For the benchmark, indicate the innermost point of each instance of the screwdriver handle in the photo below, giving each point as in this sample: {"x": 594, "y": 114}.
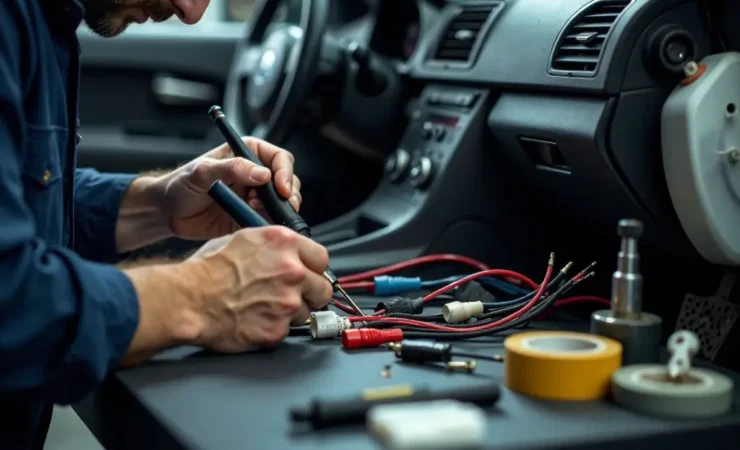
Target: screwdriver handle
{"x": 246, "y": 217}
{"x": 235, "y": 207}
{"x": 278, "y": 207}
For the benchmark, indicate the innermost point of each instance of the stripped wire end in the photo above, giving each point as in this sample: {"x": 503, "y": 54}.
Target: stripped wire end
{"x": 551, "y": 262}
{"x": 566, "y": 268}
{"x": 583, "y": 278}
{"x": 583, "y": 272}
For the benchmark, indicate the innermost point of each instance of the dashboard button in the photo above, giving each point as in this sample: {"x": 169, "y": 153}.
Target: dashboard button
{"x": 421, "y": 172}
{"x": 397, "y": 164}
{"x": 439, "y": 133}
{"x": 427, "y": 130}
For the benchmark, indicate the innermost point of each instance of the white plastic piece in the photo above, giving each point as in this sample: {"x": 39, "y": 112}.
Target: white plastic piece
{"x": 441, "y": 424}
{"x": 700, "y": 131}
{"x": 461, "y": 311}
{"x": 327, "y": 324}
{"x": 682, "y": 345}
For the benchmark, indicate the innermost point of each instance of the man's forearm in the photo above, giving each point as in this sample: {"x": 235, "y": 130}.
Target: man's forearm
{"x": 140, "y": 220}
{"x": 167, "y": 309}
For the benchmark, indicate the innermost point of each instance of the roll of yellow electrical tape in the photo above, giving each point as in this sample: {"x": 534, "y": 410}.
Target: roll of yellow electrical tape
{"x": 557, "y": 365}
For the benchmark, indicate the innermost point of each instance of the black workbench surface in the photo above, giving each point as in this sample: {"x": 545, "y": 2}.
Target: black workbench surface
{"x": 191, "y": 400}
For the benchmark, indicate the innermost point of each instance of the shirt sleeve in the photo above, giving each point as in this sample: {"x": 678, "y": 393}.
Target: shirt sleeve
{"x": 98, "y": 200}
{"x": 64, "y": 321}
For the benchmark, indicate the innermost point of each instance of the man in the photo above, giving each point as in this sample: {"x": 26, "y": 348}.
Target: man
{"x": 65, "y": 319}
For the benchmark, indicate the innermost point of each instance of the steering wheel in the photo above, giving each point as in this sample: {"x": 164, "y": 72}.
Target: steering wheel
{"x": 272, "y": 73}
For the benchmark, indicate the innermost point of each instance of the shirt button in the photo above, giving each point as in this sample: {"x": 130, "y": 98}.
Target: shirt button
{"x": 47, "y": 176}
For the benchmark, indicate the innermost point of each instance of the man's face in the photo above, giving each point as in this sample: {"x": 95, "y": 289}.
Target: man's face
{"x": 111, "y": 17}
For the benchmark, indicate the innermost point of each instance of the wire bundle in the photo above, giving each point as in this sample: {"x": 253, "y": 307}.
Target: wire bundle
{"x": 497, "y": 317}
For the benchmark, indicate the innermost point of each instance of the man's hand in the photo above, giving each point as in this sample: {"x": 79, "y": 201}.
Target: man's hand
{"x": 192, "y": 213}
{"x": 242, "y": 294}
{"x": 177, "y": 203}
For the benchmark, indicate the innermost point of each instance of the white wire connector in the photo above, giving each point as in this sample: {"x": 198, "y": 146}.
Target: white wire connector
{"x": 327, "y": 324}
{"x": 461, "y": 311}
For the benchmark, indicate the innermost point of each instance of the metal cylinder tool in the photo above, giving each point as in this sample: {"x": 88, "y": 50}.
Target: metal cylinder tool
{"x": 638, "y": 332}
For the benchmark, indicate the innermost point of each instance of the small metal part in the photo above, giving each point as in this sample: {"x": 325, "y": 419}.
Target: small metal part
{"x": 395, "y": 347}
{"x": 465, "y": 366}
{"x": 349, "y": 300}
{"x": 567, "y": 267}
{"x": 329, "y": 275}
{"x": 497, "y": 358}
{"x": 690, "y": 69}
{"x": 386, "y": 372}
{"x": 682, "y": 345}
{"x": 639, "y": 332}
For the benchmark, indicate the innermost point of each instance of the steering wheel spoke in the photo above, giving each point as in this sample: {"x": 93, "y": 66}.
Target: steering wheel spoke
{"x": 246, "y": 61}
{"x": 273, "y": 71}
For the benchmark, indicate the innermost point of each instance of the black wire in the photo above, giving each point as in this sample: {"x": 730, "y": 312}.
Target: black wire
{"x": 421, "y": 317}
{"x": 484, "y": 319}
{"x": 526, "y": 317}
{"x": 506, "y": 309}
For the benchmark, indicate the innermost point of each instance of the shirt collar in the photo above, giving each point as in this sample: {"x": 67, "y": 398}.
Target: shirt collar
{"x": 64, "y": 15}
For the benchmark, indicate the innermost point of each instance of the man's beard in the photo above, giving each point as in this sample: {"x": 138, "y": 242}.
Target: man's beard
{"x": 109, "y": 18}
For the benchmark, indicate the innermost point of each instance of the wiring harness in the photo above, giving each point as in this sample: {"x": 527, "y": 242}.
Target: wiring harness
{"x": 471, "y": 309}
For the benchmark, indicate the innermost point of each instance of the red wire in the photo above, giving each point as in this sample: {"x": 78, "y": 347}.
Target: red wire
{"x": 432, "y": 326}
{"x": 486, "y": 273}
{"x": 475, "y": 276}
{"x": 359, "y": 285}
{"x": 438, "y": 258}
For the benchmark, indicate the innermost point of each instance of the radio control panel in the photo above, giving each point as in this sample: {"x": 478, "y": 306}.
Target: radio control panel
{"x": 429, "y": 141}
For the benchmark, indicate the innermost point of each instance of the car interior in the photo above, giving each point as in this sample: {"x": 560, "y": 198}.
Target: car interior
{"x": 422, "y": 126}
{"x": 502, "y": 130}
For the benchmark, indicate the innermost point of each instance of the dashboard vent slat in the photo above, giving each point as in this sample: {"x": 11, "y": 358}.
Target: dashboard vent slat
{"x": 581, "y": 44}
{"x": 462, "y": 33}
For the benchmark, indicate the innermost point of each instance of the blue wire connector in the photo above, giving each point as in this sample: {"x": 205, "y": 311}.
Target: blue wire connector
{"x": 387, "y": 286}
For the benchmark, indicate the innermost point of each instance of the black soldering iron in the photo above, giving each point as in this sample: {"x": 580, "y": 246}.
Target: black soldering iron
{"x": 277, "y": 207}
{"x": 327, "y": 413}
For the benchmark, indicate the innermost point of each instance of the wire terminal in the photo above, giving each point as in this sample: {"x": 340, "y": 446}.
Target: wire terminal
{"x": 327, "y": 325}
{"x": 461, "y": 311}
{"x": 369, "y": 337}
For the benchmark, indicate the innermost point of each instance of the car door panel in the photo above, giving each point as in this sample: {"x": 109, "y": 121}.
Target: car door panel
{"x": 143, "y": 106}
{"x": 145, "y": 94}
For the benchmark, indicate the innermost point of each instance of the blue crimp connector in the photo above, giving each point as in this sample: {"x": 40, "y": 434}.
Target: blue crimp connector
{"x": 386, "y": 286}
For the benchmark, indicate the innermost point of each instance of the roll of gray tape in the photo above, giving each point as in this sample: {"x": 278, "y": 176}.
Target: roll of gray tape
{"x": 647, "y": 388}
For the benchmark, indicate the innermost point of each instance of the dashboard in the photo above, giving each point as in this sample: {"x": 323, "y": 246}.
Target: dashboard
{"x": 574, "y": 90}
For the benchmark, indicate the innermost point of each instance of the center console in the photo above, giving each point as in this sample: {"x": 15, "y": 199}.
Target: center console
{"x": 438, "y": 192}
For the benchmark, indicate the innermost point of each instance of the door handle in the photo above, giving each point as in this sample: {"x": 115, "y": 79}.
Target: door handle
{"x": 180, "y": 92}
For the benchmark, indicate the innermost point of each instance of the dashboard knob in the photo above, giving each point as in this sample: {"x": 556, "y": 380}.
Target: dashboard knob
{"x": 421, "y": 172}
{"x": 440, "y": 133}
{"x": 397, "y": 164}
{"x": 427, "y": 130}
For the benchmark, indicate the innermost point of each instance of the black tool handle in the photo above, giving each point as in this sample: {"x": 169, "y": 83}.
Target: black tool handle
{"x": 277, "y": 206}
{"x": 327, "y": 413}
{"x": 235, "y": 206}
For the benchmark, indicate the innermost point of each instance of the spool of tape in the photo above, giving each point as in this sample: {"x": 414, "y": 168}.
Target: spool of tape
{"x": 647, "y": 388}
{"x": 556, "y": 365}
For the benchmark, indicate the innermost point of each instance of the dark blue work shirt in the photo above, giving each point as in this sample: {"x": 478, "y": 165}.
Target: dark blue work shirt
{"x": 65, "y": 320}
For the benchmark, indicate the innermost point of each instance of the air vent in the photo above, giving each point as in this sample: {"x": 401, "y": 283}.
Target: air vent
{"x": 463, "y": 32}
{"x": 581, "y": 44}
